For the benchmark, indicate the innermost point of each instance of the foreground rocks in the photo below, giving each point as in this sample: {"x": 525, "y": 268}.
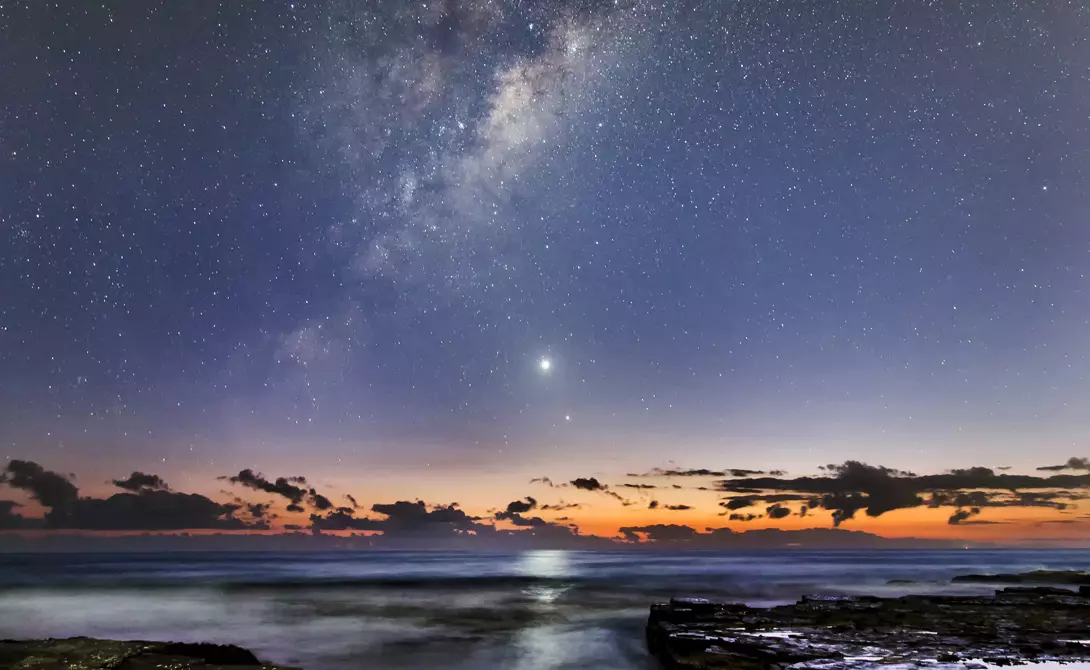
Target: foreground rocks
{"x": 84, "y": 653}
{"x": 1017, "y": 625}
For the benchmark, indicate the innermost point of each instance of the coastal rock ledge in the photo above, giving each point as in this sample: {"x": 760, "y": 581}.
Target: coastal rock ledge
{"x": 87, "y": 653}
{"x": 1016, "y": 625}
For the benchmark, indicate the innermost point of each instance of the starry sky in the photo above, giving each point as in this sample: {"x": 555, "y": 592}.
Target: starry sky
{"x": 434, "y": 250}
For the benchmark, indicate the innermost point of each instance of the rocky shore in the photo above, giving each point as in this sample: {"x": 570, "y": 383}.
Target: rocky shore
{"x": 1015, "y": 625}
{"x": 84, "y": 653}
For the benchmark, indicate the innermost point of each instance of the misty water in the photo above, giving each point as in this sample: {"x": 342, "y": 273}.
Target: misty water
{"x": 544, "y": 610}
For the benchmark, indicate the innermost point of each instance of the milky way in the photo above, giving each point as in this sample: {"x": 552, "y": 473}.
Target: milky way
{"x": 500, "y": 236}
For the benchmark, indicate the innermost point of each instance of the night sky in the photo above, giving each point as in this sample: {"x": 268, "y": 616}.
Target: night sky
{"x": 434, "y": 250}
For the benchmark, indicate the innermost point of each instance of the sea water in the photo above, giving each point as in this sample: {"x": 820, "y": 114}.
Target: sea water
{"x": 541, "y": 610}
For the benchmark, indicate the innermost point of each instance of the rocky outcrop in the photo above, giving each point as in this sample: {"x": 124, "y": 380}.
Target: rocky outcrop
{"x": 1017, "y": 625}
{"x": 86, "y": 653}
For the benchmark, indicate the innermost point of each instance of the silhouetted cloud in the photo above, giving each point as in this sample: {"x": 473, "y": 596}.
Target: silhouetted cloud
{"x": 542, "y": 480}
{"x": 703, "y": 472}
{"x": 744, "y": 517}
{"x": 318, "y": 501}
{"x": 587, "y": 484}
{"x": 961, "y": 515}
{"x": 659, "y": 532}
{"x": 521, "y": 506}
{"x": 352, "y": 501}
{"x": 851, "y": 487}
{"x": 677, "y": 508}
{"x": 638, "y": 486}
{"x": 47, "y": 487}
{"x": 653, "y": 504}
{"x": 404, "y": 518}
{"x": 1073, "y": 463}
{"x": 294, "y": 489}
{"x": 146, "y": 509}
{"x": 519, "y": 520}
{"x": 777, "y": 511}
{"x": 561, "y": 506}
{"x": 139, "y": 480}
{"x": 283, "y": 486}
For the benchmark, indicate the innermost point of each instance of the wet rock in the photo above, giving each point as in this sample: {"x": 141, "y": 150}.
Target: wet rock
{"x": 1016, "y": 625}
{"x": 86, "y": 653}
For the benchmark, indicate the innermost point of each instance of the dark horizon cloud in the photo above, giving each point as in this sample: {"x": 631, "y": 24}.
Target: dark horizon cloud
{"x": 845, "y": 489}
{"x": 148, "y": 509}
{"x": 49, "y": 488}
{"x": 139, "y": 480}
{"x": 703, "y": 472}
{"x": 1073, "y": 463}
{"x": 851, "y": 487}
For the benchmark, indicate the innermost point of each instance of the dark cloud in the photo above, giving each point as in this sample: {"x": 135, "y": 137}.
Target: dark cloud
{"x": 404, "y": 518}
{"x": 521, "y": 506}
{"x": 259, "y": 510}
{"x": 660, "y": 532}
{"x": 140, "y": 480}
{"x": 283, "y": 486}
{"x": 542, "y": 480}
{"x": 149, "y": 510}
{"x": 653, "y": 504}
{"x": 738, "y": 503}
{"x": 1073, "y": 463}
{"x": 294, "y": 489}
{"x": 525, "y": 522}
{"x": 777, "y": 511}
{"x": 703, "y": 472}
{"x": 744, "y": 517}
{"x": 517, "y": 508}
{"x": 638, "y": 486}
{"x": 352, "y": 501}
{"x": 318, "y": 501}
{"x": 851, "y": 487}
{"x": 587, "y": 484}
{"x": 677, "y": 508}
{"x": 561, "y": 506}
{"x": 47, "y": 487}
{"x": 962, "y": 515}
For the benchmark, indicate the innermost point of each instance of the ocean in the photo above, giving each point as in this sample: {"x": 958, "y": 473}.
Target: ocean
{"x": 545, "y": 610}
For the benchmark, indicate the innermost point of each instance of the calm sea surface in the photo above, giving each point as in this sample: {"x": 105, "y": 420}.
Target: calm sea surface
{"x": 541, "y": 609}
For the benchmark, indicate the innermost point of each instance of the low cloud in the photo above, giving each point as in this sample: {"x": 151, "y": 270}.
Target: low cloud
{"x": 139, "y": 480}
{"x": 677, "y": 508}
{"x": 148, "y": 508}
{"x": 703, "y": 472}
{"x": 47, "y": 487}
{"x": 852, "y": 487}
{"x": 1073, "y": 463}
